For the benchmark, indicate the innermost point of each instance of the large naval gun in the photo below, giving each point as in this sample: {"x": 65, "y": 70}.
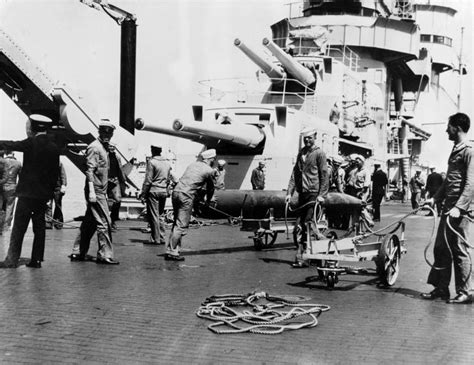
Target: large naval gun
{"x": 258, "y": 120}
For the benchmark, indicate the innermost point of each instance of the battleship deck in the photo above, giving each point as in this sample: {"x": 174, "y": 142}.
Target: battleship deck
{"x": 143, "y": 311}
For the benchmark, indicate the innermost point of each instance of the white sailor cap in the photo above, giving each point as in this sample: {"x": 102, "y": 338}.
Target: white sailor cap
{"x": 106, "y": 123}
{"x": 221, "y": 162}
{"x": 338, "y": 159}
{"x": 356, "y": 156}
{"x": 208, "y": 153}
{"x": 308, "y": 132}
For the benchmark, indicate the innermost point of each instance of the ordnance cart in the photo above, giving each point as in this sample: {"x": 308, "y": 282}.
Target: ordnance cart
{"x": 359, "y": 243}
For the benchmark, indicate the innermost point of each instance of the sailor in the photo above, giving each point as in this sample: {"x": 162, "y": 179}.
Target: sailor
{"x": 358, "y": 179}
{"x": 35, "y": 187}
{"x": 115, "y": 185}
{"x": 379, "y": 186}
{"x": 258, "y": 177}
{"x": 56, "y": 218}
{"x": 197, "y": 175}
{"x": 336, "y": 175}
{"x": 97, "y": 216}
{"x": 11, "y": 171}
{"x": 219, "y": 175}
{"x": 158, "y": 179}
{"x": 309, "y": 179}
{"x": 416, "y": 185}
{"x": 433, "y": 183}
{"x": 451, "y": 246}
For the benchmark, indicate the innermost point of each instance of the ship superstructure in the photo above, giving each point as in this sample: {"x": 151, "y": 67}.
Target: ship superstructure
{"x": 358, "y": 71}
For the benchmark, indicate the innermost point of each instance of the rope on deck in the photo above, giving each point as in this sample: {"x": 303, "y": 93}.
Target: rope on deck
{"x": 259, "y": 313}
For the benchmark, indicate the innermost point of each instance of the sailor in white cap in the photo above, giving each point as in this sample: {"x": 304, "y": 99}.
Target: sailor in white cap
{"x": 97, "y": 216}
{"x": 358, "y": 178}
{"x": 158, "y": 178}
{"x": 35, "y": 187}
{"x": 219, "y": 175}
{"x": 309, "y": 179}
{"x": 337, "y": 175}
{"x": 198, "y": 175}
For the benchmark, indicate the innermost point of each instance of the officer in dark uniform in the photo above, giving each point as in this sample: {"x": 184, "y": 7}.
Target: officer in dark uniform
{"x": 35, "y": 187}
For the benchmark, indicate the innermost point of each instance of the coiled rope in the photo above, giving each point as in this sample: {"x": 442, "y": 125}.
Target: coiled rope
{"x": 265, "y": 318}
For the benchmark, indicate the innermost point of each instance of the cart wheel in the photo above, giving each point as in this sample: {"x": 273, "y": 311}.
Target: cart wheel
{"x": 270, "y": 238}
{"x": 388, "y": 260}
{"x": 331, "y": 280}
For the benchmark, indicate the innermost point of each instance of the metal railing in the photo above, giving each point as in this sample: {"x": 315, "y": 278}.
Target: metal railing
{"x": 242, "y": 92}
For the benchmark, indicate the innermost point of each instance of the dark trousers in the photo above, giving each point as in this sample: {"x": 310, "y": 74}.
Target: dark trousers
{"x": 440, "y": 275}
{"x": 115, "y": 195}
{"x": 376, "y": 201}
{"x": 155, "y": 206}
{"x": 26, "y": 209}
{"x": 57, "y": 215}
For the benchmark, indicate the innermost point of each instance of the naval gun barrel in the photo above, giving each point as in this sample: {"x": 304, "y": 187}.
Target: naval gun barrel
{"x": 243, "y": 135}
{"x": 273, "y": 71}
{"x": 298, "y": 71}
{"x": 141, "y": 125}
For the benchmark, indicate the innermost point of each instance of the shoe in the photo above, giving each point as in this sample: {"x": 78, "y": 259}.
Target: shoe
{"x": 58, "y": 226}
{"x": 151, "y": 243}
{"x": 376, "y": 220}
{"x": 162, "y": 243}
{"x": 77, "y": 257}
{"x": 36, "y": 264}
{"x": 107, "y": 261}
{"x": 436, "y": 293}
{"x": 113, "y": 227}
{"x": 460, "y": 299}
{"x": 169, "y": 257}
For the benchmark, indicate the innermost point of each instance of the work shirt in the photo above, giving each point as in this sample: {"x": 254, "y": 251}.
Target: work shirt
{"x": 97, "y": 168}
{"x": 11, "y": 171}
{"x": 358, "y": 178}
{"x": 258, "y": 179}
{"x": 457, "y": 189}
{"x": 158, "y": 176}
{"x": 310, "y": 173}
{"x": 196, "y": 177}
{"x": 40, "y": 166}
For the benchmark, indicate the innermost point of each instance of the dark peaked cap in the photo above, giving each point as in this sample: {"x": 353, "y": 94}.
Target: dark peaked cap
{"x": 40, "y": 122}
